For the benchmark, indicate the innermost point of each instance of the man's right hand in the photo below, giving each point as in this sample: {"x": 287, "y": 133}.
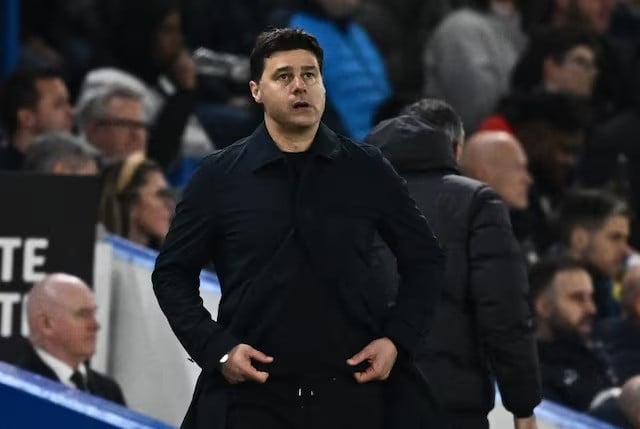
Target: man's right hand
{"x": 525, "y": 422}
{"x": 238, "y": 367}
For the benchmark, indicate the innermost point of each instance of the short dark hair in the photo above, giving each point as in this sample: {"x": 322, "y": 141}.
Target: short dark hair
{"x": 589, "y": 209}
{"x": 550, "y": 42}
{"x": 282, "y": 39}
{"x": 19, "y": 91}
{"x": 439, "y": 115}
{"x": 51, "y": 148}
{"x": 541, "y": 274}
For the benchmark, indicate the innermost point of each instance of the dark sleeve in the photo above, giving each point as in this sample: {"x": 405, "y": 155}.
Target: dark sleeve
{"x": 165, "y": 135}
{"x": 420, "y": 262}
{"x": 499, "y": 288}
{"x": 176, "y": 278}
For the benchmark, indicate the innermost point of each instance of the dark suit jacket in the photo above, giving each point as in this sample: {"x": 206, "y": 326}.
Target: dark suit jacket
{"x": 98, "y": 384}
{"x": 238, "y": 212}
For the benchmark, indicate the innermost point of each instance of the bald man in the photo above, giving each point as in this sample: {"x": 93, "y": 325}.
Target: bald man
{"x": 497, "y": 159}
{"x": 61, "y": 312}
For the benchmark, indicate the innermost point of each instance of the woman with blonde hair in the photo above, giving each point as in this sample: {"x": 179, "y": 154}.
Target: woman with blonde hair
{"x": 136, "y": 201}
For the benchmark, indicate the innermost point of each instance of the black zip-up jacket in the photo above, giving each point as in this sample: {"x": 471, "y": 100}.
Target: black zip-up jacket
{"x": 482, "y": 327}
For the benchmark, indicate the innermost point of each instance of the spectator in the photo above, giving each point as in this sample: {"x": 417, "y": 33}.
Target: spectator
{"x": 485, "y": 274}
{"x": 114, "y": 121}
{"x": 611, "y": 94}
{"x": 622, "y": 336}
{"x": 61, "y": 312}
{"x": 575, "y": 368}
{"x": 622, "y": 410}
{"x": 32, "y": 102}
{"x": 594, "y": 228}
{"x": 558, "y": 60}
{"x": 151, "y": 59}
{"x": 349, "y": 50}
{"x": 470, "y": 56}
{"x": 60, "y": 153}
{"x": 497, "y": 159}
{"x": 551, "y": 130}
{"x": 136, "y": 202}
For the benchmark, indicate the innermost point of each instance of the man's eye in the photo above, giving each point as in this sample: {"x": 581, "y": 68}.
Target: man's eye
{"x": 283, "y": 77}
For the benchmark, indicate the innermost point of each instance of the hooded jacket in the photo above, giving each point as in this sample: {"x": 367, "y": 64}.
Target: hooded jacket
{"x": 482, "y": 327}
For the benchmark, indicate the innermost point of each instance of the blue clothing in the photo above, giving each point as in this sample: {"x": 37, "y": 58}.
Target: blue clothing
{"x": 354, "y": 72}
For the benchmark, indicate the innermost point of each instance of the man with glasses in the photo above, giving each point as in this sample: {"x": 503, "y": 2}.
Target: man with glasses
{"x": 114, "y": 122}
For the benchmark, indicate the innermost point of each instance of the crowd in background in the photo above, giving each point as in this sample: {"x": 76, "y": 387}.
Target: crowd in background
{"x": 548, "y": 91}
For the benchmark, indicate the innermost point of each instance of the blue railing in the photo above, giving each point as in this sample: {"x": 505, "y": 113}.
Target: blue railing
{"x": 31, "y": 401}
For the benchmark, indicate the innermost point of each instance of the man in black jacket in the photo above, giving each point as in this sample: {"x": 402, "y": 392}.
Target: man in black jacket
{"x": 303, "y": 337}
{"x": 482, "y": 327}
{"x": 61, "y": 311}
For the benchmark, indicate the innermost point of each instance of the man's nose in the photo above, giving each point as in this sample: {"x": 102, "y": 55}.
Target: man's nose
{"x": 298, "y": 84}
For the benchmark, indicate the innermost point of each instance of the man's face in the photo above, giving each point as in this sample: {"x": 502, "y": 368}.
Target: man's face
{"x": 511, "y": 178}
{"x": 169, "y": 39}
{"x": 575, "y": 74}
{"x": 122, "y": 131}
{"x": 291, "y": 89}
{"x": 608, "y": 246}
{"x": 53, "y": 111}
{"x": 73, "y": 325}
{"x": 571, "y": 307}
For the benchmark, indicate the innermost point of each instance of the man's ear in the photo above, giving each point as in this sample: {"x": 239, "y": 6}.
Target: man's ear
{"x": 579, "y": 240}
{"x": 542, "y": 306}
{"x": 26, "y": 118}
{"x": 255, "y": 91}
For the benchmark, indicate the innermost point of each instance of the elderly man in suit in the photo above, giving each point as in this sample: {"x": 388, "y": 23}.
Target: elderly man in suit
{"x": 61, "y": 312}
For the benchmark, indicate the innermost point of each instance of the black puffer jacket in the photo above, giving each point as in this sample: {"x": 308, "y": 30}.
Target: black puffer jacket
{"x": 482, "y": 327}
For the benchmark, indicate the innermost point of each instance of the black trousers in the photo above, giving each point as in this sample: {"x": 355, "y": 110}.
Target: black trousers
{"x": 321, "y": 403}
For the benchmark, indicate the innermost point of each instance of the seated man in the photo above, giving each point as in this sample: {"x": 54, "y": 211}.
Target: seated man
{"x": 575, "y": 368}
{"x": 61, "y": 154}
{"x": 622, "y": 335}
{"x": 61, "y": 312}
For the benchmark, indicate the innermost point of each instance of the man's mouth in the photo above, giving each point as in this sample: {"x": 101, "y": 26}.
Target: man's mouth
{"x": 301, "y": 105}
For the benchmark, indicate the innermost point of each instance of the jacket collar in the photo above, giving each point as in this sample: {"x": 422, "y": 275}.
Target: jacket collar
{"x": 262, "y": 150}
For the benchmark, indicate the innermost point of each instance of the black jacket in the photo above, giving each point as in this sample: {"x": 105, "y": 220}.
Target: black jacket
{"x": 239, "y": 211}
{"x": 575, "y": 370}
{"x": 97, "y": 384}
{"x": 482, "y": 325}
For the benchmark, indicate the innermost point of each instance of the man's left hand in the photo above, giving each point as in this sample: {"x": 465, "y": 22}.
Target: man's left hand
{"x": 381, "y": 355}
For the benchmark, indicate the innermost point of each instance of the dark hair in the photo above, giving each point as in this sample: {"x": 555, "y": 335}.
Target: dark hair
{"x": 589, "y": 209}
{"x": 439, "y": 115}
{"x": 553, "y": 42}
{"x": 282, "y": 39}
{"x": 121, "y": 183}
{"x": 542, "y": 273}
{"x": 52, "y": 148}
{"x": 19, "y": 91}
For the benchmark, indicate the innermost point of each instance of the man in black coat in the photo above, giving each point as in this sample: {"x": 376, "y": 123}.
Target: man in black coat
{"x": 482, "y": 328}
{"x": 61, "y": 311}
{"x": 304, "y": 337}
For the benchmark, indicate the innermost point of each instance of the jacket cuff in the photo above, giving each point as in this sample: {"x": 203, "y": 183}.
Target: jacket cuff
{"x": 218, "y": 346}
{"x": 403, "y": 336}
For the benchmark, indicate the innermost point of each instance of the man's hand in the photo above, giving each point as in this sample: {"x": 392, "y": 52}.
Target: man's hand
{"x": 381, "y": 355}
{"x": 238, "y": 368}
{"x": 184, "y": 70}
{"x": 525, "y": 423}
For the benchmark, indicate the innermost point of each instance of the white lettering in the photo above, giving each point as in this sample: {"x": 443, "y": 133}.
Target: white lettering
{"x": 7, "y": 247}
{"x": 32, "y": 261}
{"x": 7, "y": 301}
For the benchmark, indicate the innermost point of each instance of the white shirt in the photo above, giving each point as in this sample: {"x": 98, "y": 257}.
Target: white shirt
{"x": 61, "y": 369}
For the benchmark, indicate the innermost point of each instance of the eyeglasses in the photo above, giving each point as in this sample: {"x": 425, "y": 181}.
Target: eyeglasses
{"x": 586, "y": 63}
{"x": 123, "y": 123}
